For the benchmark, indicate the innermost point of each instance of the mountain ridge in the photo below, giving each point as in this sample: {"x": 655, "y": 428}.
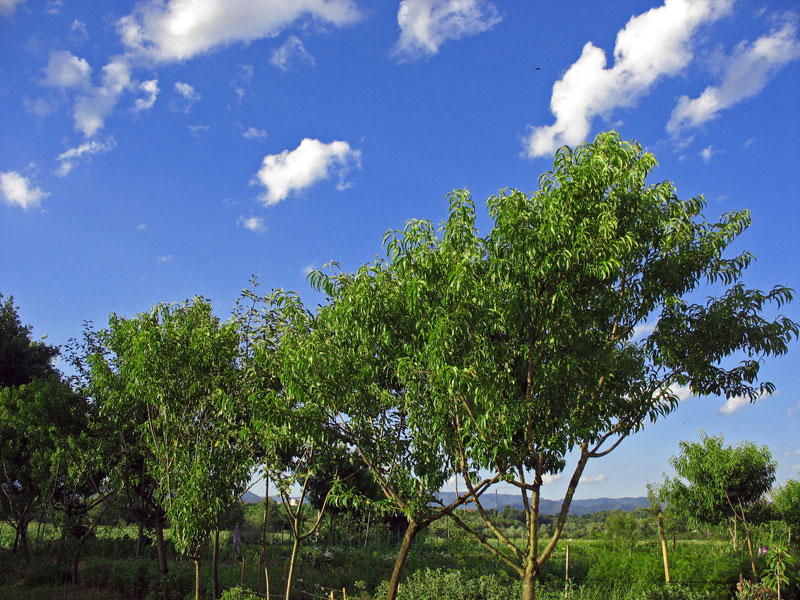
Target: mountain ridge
{"x": 546, "y": 507}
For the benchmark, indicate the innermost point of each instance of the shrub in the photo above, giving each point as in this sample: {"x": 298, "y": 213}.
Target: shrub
{"x": 238, "y": 593}
{"x": 437, "y": 584}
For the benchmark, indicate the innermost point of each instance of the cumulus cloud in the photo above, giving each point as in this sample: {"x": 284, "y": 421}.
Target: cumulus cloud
{"x": 18, "y": 190}
{"x": 177, "y": 30}
{"x": 65, "y": 70}
{"x": 198, "y": 130}
{"x": 68, "y": 159}
{"x": 312, "y": 161}
{"x": 150, "y": 90}
{"x": 427, "y": 24}
{"x": 292, "y": 51}
{"x": 78, "y": 32}
{"x": 251, "y": 133}
{"x": 736, "y": 403}
{"x": 254, "y": 224}
{"x": 8, "y": 7}
{"x": 164, "y": 259}
{"x": 706, "y": 153}
{"x": 652, "y": 45}
{"x": 596, "y": 479}
{"x": 746, "y": 73}
{"x": 187, "y": 96}
{"x": 793, "y": 409}
{"x": 91, "y": 109}
{"x": 795, "y": 453}
{"x": 551, "y": 478}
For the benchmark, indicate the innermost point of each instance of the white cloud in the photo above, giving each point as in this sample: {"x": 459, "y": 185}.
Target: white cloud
{"x": 642, "y": 330}
{"x": 53, "y": 7}
{"x": 596, "y": 479}
{"x": 18, "y": 190}
{"x": 188, "y": 96}
{"x": 164, "y": 259}
{"x": 795, "y": 453}
{"x": 176, "y": 30}
{"x": 796, "y": 467}
{"x": 706, "y": 153}
{"x": 254, "y": 134}
{"x": 427, "y": 24}
{"x": 748, "y": 70}
{"x": 187, "y": 91}
{"x": 150, "y": 89}
{"x": 7, "y": 7}
{"x": 308, "y": 269}
{"x": 652, "y": 45}
{"x": 254, "y": 224}
{"x": 682, "y": 392}
{"x": 551, "y": 478}
{"x": 291, "y": 51}
{"x": 198, "y": 130}
{"x": 69, "y": 158}
{"x": 78, "y": 31}
{"x": 736, "y": 403}
{"x": 312, "y": 161}
{"x": 64, "y": 70}
{"x": 141, "y": 227}
{"x": 790, "y": 411}
{"x": 92, "y": 108}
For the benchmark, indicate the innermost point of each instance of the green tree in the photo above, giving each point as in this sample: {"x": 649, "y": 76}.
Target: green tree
{"x": 623, "y": 529}
{"x": 715, "y": 484}
{"x": 349, "y": 361}
{"x": 786, "y": 505}
{"x": 21, "y": 358}
{"x": 528, "y": 344}
{"x": 180, "y": 363}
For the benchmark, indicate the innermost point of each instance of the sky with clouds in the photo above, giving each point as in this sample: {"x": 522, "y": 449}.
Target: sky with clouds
{"x": 155, "y": 150}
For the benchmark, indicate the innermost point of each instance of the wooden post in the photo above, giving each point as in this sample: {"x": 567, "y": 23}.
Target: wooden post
{"x": 331, "y": 596}
{"x": 344, "y": 594}
{"x": 566, "y": 574}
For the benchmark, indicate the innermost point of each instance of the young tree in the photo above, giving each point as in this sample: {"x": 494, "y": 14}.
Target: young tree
{"x": 716, "y": 484}
{"x": 786, "y": 505}
{"x": 180, "y": 363}
{"x": 21, "y": 358}
{"x": 530, "y": 340}
{"x": 347, "y": 361}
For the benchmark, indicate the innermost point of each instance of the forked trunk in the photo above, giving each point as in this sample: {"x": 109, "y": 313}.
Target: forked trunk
{"x": 22, "y": 531}
{"x": 394, "y": 583}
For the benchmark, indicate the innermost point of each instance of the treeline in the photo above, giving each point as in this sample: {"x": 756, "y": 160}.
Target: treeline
{"x": 487, "y": 357}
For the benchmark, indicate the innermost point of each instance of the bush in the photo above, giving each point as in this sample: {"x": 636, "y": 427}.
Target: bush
{"x": 430, "y": 584}
{"x": 238, "y": 593}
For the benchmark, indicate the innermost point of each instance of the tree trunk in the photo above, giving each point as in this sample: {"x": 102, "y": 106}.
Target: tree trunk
{"x": 750, "y": 548}
{"x": 16, "y": 541}
{"x": 196, "y": 579}
{"x": 664, "y": 545}
{"x": 22, "y": 531}
{"x": 215, "y": 565}
{"x": 140, "y": 539}
{"x": 161, "y": 549}
{"x": 290, "y": 573}
{"x": 394, "y": 583}
{"x": 529, "y": 582}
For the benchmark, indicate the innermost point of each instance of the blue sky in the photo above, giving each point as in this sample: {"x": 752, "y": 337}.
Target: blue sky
{"x": 151, "y": 151}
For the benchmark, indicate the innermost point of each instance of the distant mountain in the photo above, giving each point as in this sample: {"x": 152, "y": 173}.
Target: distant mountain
{"x": 546, "y": 507}
{"x": 551, "y": 507}
{"x": 250, "y": 498}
